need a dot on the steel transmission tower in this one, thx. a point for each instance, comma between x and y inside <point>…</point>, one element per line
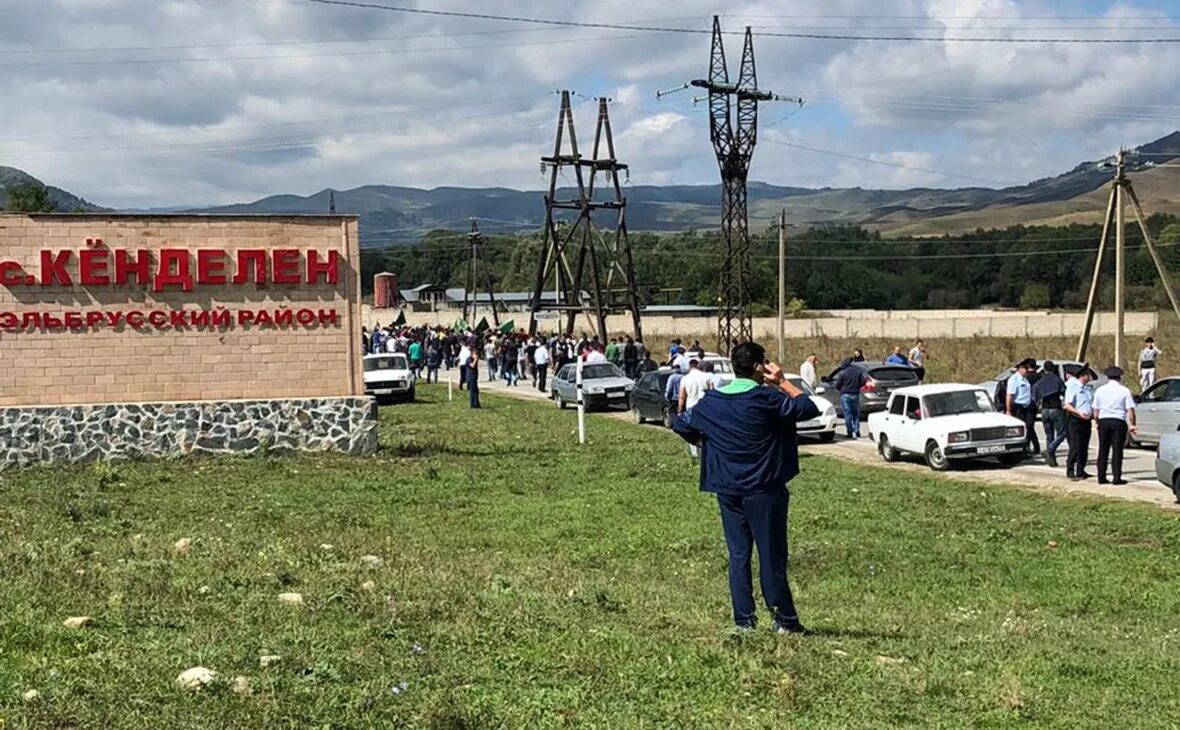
<point>734,147</point>
<point>477,265</point>
<point>591,249</point>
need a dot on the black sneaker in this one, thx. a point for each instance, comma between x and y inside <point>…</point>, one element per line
<point>790,627</point>
<point>1084,475</point>
<point>1119,482</point>
<point>1051,460</point>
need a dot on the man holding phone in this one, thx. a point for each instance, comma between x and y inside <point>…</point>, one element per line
<point>752,454</point>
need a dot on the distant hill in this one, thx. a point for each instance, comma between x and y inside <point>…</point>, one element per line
<point>63,201</point>
<point>396,215</point>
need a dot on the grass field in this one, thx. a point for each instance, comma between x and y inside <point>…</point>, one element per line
<point>530,583</point>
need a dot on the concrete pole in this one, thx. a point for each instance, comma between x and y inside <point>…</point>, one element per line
<point>782,282</point>
<point>1120,262</point>
<point>1092,301</point>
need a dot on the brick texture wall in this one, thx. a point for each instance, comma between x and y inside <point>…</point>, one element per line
<point>127,364</point>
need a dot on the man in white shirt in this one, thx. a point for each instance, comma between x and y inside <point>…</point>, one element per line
<point>464,358</point>
<point>917,360</point>
<point>1114,408</point>
<point>807,371</point>
<point>693,387</point>
<point>541,360</point>
<point>1147,362</point>
<point>594,356</point>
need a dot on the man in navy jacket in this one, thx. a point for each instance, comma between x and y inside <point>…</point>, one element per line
<point>749,454</point>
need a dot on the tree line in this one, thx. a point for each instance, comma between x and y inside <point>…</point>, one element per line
<point>832,267</point>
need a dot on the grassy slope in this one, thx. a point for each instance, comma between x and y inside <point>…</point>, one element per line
<point>552,586</point>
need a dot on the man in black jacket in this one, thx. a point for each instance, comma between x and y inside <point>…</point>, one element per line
<point>1048,393</point>
<point>630,358</point>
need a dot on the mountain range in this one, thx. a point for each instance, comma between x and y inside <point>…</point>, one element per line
<point>397,215</point>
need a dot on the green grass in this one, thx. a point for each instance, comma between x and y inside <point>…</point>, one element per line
<point>553,586</point>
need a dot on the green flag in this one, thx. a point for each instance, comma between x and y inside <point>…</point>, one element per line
<point>508,327</point>
<point>482,326</point>
<point>401,320</point>
<point>460,325</point>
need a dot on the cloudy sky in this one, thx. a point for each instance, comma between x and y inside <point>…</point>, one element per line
<point>139,103</point>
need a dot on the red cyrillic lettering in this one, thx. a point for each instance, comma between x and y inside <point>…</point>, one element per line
<point>221,319</point>
<point>165,276</point>
<point>73,320</point>
<point>200,318</point>
<point>178,318</point>
<point>140,267</point>
<point>114,319</point>
<point>328,316</point>
<point>53,268</point>
<point>245,316</point>
<point>135,319</point>
<point>8,321</point>
<point>158,319</point>
<point>263,319</point>
<point>315,268</point>
<point>247,257</point>
<point>30,319</point>
<point>305,317</point>
<point>11,273</point>
<point>93,319</point>
<point>92,267</point>
<point>52,323</point>
<point>285,266</point>
<point>211,266</point>
<point>284,318</point>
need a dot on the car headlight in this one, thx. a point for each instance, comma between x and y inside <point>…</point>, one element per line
<point>959,437</point>
<point>1014,432</point>
<point>592,391</point>
<point>830,410</point>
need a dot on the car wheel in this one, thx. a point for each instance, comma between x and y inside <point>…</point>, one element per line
<point>827,437</point>
<point>638,416</point>
<point>1176,485</point>
<point>935,458</point>
<point>560,403</point>
<point>410,396</point>
<point>886,450</point>
<point>1011,459</point>
<point>667,418</point>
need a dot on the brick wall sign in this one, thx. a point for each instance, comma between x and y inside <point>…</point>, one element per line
<point>127,308</point>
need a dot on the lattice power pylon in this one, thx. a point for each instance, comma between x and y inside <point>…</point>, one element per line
<point>734,147</point>
<point>593,253</point>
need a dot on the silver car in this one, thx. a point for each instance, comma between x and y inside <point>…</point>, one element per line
<point>1167,462</point>
<point>603,386</point>
<point>997,387</point>
<point>1158,412</point>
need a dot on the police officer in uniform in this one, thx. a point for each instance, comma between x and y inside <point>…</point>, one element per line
<point>1020,404</point>
<point>1114,409</point>
<point>1079,410</point>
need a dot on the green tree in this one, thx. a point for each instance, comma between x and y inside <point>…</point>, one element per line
<point>29,198</point>
<point>1035,296</point>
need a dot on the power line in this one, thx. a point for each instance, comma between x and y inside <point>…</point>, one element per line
<point>697,31</point>
<point>887,163</point>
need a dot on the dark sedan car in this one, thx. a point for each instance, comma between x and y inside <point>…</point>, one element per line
<point>883,379</point>
<point>647,398</point>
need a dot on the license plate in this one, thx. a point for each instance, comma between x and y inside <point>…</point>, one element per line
<point>615,395</point>
<point>992,449</point>
<point>383,391</point>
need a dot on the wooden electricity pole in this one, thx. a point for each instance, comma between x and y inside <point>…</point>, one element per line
<point>1121,190</point>
<point>782,282</point>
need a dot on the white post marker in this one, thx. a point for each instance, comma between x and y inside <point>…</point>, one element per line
<point>581,403</point>
<point>450,390</point>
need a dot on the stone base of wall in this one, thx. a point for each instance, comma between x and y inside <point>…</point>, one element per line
<point>139,431</point>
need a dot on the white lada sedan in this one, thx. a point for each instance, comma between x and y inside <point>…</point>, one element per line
<point>944,423</point>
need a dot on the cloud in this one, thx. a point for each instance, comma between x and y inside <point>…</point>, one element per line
<point>214,102</point>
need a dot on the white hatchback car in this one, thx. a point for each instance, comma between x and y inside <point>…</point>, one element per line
<point>945,423</point>
<point>388,377</point>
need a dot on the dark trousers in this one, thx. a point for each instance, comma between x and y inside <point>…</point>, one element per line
<point>760,520</point>
<point>462,376</point>
<point>1112,436</point>
<point>542,372</point>
<point>1078,432</point>
<point>1054,421</point>
<point>473,391</point>
<point>1028,414</point>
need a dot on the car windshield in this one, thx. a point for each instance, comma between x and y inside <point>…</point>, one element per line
<point>801,385</point>
<point>720,365</point>
<point>956,402</point>
<point>893,374</point>
<point>601,370</point>
<point>386,362</point>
